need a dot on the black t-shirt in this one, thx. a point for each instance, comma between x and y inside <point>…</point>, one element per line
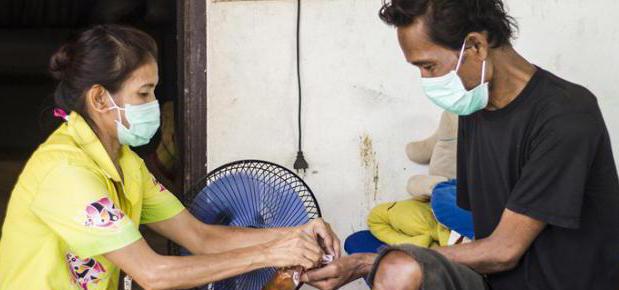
<point>546,155</point>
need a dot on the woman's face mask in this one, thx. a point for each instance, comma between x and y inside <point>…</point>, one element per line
<point>144,121</point>
<point>449,93</point>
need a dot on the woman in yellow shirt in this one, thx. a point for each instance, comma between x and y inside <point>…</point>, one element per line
<point>73,216</point>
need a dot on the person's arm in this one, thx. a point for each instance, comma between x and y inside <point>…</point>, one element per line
<point>200,238</point>
<point>502,250</point>
<point>549,191</point>
<point>153,271</point>
<point>340,272</point>
<point>499,252</point>
<point>164,213</point>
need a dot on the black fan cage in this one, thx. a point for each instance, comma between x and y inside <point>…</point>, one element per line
<point>253,193</point>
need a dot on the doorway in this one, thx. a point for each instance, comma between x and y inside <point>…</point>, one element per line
<point>30,32</point>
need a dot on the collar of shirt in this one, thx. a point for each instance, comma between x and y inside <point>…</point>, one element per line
<point>86,138</point>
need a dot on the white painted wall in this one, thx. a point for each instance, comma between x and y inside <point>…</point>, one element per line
<point>357,85</point>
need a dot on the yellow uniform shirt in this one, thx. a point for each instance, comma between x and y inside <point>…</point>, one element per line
<point>70,206</point>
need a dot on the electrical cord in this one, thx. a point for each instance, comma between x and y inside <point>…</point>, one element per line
<point>300,164</point>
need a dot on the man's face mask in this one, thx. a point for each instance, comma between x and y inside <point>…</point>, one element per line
<point>143,121</point>
<point>449,93</point>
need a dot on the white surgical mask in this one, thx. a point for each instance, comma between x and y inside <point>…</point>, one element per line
<point>449,93</point>
<point>144,121</point>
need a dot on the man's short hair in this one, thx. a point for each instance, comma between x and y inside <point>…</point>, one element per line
<point>448,22</point>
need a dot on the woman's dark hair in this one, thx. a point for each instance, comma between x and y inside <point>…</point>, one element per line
<point>449,21</point>
<point>104,55</point>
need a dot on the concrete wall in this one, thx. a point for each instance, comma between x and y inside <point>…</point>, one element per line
<point>363,103</point>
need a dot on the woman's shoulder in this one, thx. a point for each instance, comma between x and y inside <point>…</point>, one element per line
<point>47,170</point>
<point>58,158</point>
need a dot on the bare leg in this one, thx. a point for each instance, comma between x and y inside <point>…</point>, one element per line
<point>398,271</point>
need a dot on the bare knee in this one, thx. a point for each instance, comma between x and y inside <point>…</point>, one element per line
<point>398,271</point>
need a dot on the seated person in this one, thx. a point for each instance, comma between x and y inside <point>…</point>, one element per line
<point>73,216</point>
<point>535,164</point>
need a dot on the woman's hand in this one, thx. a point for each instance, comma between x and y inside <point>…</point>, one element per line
<point>296,248</point>
<point>318,228</point>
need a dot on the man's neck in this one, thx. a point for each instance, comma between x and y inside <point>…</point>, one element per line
<point>511,74</point>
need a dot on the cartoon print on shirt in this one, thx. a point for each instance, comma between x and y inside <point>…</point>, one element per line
<point>102,213</point>
<point>84,272</point>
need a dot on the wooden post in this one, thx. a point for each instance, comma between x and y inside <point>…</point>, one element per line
<point>192,92</point>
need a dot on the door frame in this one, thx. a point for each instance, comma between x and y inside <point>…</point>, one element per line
<point>192,101</point>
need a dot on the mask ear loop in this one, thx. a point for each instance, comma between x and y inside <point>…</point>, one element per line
<point>461,56</point>
<point>483,72</point>
<point>115,107</point>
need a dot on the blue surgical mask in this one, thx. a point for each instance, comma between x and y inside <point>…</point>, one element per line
<point>449,93</point>
<point>143,122</point>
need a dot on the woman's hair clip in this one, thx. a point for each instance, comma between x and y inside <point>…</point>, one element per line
<point>60,113</point>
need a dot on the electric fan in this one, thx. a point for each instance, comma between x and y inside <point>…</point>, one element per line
<point>256,194</point>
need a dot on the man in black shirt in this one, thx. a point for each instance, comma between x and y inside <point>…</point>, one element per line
<point>535,164</point>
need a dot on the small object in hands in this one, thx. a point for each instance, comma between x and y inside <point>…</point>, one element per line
<point>128,281</point>
<point>285,279</point>
<point>327,259</point>
<point>290,278</point>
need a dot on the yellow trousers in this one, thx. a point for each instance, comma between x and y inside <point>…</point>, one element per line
<point>407,222</point>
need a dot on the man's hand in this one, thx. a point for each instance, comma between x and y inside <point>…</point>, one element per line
<point>319,228</point>
<point>340,272</point>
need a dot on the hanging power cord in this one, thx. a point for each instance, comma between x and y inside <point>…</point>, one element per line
<point>300,164</point>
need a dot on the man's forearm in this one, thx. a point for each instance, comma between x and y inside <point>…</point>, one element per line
<point>364,264</point>
<point>502,250</point>
<point>483,256</point>
<point>478,255</point>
